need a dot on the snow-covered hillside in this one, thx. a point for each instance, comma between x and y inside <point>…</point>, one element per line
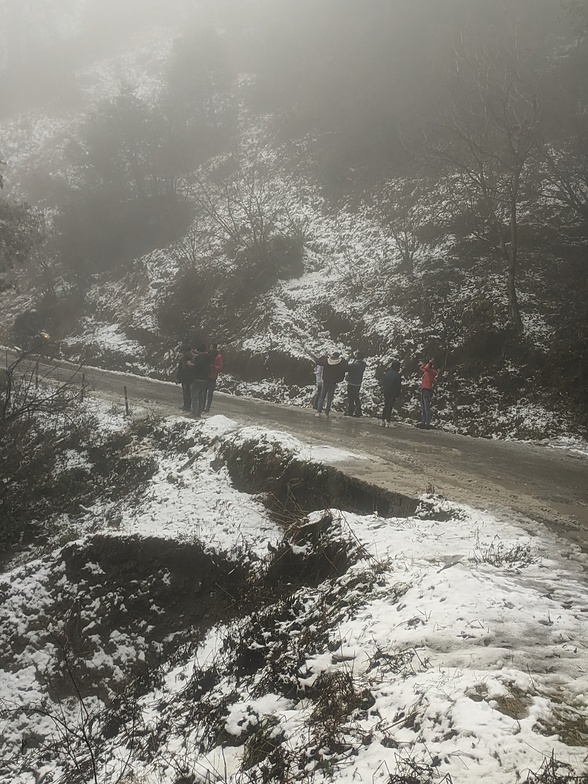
<point>190,636</point>
<point>188,601</point>
<point>348,288</point>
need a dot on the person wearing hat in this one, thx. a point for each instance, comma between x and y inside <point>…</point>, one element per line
<point>334,369</point>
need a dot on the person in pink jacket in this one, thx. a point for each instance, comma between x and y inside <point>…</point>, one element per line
<point>216,365</point>
<point>428,376</point>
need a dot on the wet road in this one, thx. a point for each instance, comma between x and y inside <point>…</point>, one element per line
<point>544,484</point>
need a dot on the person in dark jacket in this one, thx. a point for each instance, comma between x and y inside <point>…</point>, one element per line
<point>199,370</point>
<point>334,369</point>
<point>391,386</point>
<point>184,376</point>
<point>216,366</point>
<point>354,378</point>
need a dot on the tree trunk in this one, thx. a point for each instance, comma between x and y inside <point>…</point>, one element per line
<point>513,260</point>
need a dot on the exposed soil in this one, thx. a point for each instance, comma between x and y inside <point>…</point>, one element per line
<point>162,595</point>
<point>290,487</point>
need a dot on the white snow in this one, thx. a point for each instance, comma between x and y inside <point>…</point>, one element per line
<point>470,637</point>
<point>276,439</point>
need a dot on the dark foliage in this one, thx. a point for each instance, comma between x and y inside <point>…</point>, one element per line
<point>21,230</point>
<point>100,231</point>
<point>215,302</point>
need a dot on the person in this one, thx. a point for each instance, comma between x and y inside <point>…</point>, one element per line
<point>354,378</point>
<point>428,376</point>
<point>334,369</point>
<point>199,370</point>
<point>213,374</point>
<point>391,386</point>
<point>318,374</point>
<point>184,376</point>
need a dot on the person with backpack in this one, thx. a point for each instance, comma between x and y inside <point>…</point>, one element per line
<point>213,374</point>
<point>184,376</point>
<point>391,387</point>
<point>355,373</point>
<point>428,377</point>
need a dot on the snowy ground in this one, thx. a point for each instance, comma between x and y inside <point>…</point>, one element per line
<point>451,641</point>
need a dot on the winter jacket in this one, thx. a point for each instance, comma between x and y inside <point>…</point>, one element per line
<point>355,372</point>
<point>391,383</point>
<point>332,374</point>
<point>200,366</point>
<point>428,374</point>
<point>216,366</point>
<point>184,372</point>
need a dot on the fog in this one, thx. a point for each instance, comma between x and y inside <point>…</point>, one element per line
<point>454,129</point>
<point>306,45</point>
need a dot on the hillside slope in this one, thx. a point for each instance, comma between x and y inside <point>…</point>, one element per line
<point>254,249</point>
<point>190,630</point>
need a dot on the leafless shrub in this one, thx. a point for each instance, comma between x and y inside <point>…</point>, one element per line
<point>411,771</point>
<point>553,771</point>
<point>80,730</point>
<point>497,553</point>
<point>36,422</point>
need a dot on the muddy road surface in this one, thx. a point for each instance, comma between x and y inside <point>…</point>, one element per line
<point>541,484</point>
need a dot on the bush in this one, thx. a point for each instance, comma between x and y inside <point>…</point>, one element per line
<point>35,425</point>
<point>285,256</point>
<point>215,302</point>
<point>38,425</point>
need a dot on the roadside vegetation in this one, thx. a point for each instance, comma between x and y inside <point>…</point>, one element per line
<point>272,194</point>
<point>52,462</point>
<point>189,603</point>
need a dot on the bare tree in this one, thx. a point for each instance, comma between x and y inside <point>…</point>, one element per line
<point>490,126</point>
<point>405,207</point>
<point>242,209</point>
<point>247,215</point>
<point>27,390</point>
<point>195,247</point>
<point>564,180</point>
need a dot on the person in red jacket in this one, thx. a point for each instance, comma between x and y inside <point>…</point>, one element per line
<point>428,375</point>
<point>215,368</point>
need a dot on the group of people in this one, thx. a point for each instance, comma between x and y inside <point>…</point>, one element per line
<point>331,369</point>
<point>199,368</point>
<point>198,371</point>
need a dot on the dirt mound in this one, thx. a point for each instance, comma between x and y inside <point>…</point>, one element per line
<point>291,487</point>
